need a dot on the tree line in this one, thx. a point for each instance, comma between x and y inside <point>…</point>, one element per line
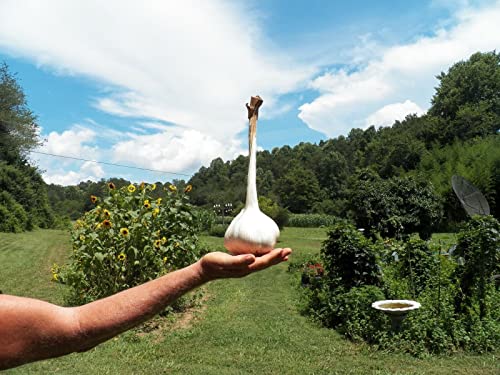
<point>371,175</point>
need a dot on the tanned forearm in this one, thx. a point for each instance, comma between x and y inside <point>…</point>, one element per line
<point>31,330</point>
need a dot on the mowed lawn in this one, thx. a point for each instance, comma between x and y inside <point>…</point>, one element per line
<point>246,326</point>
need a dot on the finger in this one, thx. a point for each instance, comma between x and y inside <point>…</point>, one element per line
<point>286,252</point>
<point>267,260</point>
<point>238,261</point>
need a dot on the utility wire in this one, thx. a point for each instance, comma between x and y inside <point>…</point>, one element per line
<point>106,163</point>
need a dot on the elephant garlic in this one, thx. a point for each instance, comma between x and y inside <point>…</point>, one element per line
<point>251,231</point>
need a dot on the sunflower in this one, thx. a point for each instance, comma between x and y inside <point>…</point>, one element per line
<point>82,237</point>
<point>142,185</point>
<point>164,260</point>
<point>55,277</point>
<point>163,240</point>
<point>111,186</point>
<point>122,257</point>
<point>106,213</point>
<point>158,201</point>
<point>157,243</point>
<point>153,186</point>
<point>172,188</point>
<point>98,226</point>
<point>124,232</point>
<point>93,198</point>
<point>156,211</point>
<point>188,188</point>
<point>147,204</point>
<point>131,188</point>
<point>106,224</point>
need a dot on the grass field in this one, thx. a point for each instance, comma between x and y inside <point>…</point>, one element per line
<point>246,326</point>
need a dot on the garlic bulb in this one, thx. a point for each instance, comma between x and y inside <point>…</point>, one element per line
<point>251,231</point>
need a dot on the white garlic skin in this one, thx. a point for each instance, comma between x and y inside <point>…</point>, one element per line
<point>251,232</point>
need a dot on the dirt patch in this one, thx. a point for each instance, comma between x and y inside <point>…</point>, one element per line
<point>175,320</point>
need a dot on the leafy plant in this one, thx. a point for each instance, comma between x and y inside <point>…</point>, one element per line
<point>349,258</point>
<point>128,239</point>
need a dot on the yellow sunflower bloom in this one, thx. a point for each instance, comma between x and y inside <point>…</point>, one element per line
<point>82,237</point>
<point>188,189</point>
<point>124,232</point>
<point>93,198</point>
<point>142,185</point>
<point>106,213</point>
<point>153,186</point>
<point>157,243</point>
<point>111,186</point>
<point>131,188</point>
<point>55,277</point>
<point>158,201</point>
<point>147,204</point>
<point>172,188</point>
<point>107,224</point>
<point>163,240</point>
<point>165,260</point>
<point>156,211</point>
<point>122,257</point>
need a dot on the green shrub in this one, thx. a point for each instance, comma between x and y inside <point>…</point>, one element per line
<point>128,239</point>
<point>203,219</point>
<point>349,258</point>
<point>311,220</point>
<point>478,250</point>
<point>218,230</point>
<point>460,303</point>
<point>279,214</point>
<point>13,217</point>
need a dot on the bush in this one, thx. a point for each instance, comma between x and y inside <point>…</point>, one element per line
<point>13,217</point>
<point>395,207</point>
<point>349,258</point>
<point>460,301</point>
<point>128,239</point>
<point>478,249</point>
<point>218,230</point>
<point>279,214</point>
<point>311,220</point>
<point>203,219</point>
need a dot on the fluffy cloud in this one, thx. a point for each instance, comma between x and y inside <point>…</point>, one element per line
<point>191,63</point>
<point>173,150</point>
<point>386,115</point>
<point>88,171</point>
<point>405,72</point>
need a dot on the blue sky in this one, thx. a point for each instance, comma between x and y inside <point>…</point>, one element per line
<point>162,84</point>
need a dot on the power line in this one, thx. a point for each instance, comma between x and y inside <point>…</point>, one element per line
<point>107,163</point>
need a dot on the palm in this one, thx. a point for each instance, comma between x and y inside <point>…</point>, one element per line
<point>222,265</point>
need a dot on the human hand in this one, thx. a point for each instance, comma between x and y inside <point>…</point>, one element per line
<point>218,265</point>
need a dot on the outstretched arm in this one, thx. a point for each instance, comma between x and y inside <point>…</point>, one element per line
<point>32,330</point>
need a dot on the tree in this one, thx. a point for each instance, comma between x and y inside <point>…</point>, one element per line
<point>18,128</point>
<point>468,97</point>
<point>298,189</point>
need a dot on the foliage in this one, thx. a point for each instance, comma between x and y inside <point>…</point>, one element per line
<point>218,230</point>
<point>279,214</point>
<point>13,217</point>
<point>460,302</point>
<point>311,220</point>
<point>203,219</point>
<point>18,128</point>
<point>395,206</point>
<point>478,248</point>
<point>127,239</point>
<point>349,258</point>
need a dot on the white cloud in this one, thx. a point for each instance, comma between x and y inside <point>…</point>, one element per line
<point>388,114</point>
<point>191,63</point>
<point>88,171</point>
<point>403,72</point>
<point>173,150</point>
<point>73,142</point>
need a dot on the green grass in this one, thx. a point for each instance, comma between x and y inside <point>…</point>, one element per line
<point>248,326</point>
